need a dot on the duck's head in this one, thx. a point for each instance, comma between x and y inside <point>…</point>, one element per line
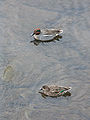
<point>36,32</point>
<point>44,89</point>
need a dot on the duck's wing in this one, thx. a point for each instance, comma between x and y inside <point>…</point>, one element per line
<point>64,89</point>
<point>55,89</point>
<point>52,31</point>
<point>46,37</point>
<point>61,89</point>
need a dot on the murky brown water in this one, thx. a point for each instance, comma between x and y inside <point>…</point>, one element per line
<point>65,62</point>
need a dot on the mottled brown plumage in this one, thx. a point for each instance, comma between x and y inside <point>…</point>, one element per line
<point>55,91</point>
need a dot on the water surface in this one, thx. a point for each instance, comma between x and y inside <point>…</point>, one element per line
<point>65,62</point>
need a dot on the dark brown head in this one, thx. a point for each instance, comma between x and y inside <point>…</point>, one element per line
<point>44,89</point>
<point>36,31</point>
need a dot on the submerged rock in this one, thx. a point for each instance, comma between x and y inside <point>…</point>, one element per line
<point>8,73</point>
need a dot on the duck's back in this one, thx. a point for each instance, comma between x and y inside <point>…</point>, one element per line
<point>50,31</point>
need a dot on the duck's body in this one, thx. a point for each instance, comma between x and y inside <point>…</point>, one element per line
<point>55,91</point>
<point>46,34</point>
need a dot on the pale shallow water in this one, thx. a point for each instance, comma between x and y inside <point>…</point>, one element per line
<point>65,62</point>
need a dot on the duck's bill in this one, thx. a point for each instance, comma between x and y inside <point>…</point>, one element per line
<point>41,90</point>
<point>32,34</point>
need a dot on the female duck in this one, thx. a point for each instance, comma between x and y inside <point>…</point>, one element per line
<point>55,91</point>
<point>46,34</point>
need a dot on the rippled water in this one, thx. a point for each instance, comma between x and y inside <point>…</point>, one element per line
<point>65,62</point>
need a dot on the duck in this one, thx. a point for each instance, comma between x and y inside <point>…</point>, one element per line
<point>54,91</point>
<point>46,34</point>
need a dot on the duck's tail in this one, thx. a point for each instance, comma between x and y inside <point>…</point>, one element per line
<point>61,31</point>
<point>68,89</point>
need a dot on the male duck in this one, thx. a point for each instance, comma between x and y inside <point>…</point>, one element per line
<point>55,91</point>
<point>46,34</point>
